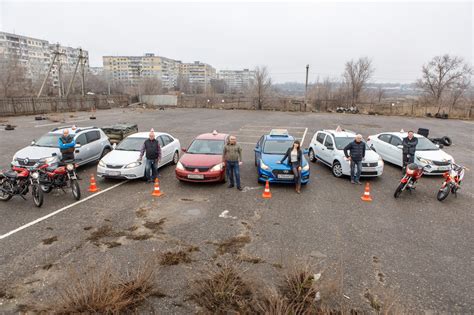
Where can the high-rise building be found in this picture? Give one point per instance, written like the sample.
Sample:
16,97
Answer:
237,80
198,74
36,55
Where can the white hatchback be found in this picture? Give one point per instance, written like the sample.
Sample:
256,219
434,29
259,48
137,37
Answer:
122,161
389,146
328,146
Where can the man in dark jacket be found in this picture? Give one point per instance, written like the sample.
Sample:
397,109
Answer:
233,160
355,152
409,148
152,151
66,144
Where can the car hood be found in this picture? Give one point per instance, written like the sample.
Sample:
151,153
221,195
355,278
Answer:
272,159
35,152
434,155
118,157
201,160
371,156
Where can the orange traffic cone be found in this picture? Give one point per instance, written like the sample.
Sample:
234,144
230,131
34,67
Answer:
366,195
93,187
156,189
266,193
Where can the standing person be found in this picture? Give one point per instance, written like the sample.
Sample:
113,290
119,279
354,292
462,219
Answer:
355,152
233,160
66,144
294,154
409,148
152,150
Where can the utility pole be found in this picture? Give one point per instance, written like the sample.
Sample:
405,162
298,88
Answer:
306,88
56,57
82,61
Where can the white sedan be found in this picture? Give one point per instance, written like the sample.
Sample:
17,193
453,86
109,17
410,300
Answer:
327,146
389,146
122,161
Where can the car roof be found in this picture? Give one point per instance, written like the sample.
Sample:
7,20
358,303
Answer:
342,134
145,134
400,134
270,137
59,130
212,136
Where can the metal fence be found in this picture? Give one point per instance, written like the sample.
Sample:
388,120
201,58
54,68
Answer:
43,105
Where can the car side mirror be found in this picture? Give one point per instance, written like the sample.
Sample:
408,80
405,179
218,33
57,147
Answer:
114,146
305,151
440,146
33,142
184,149
54,154
256,149
400,146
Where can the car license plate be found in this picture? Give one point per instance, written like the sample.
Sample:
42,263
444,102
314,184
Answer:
286,176
112,173
195,176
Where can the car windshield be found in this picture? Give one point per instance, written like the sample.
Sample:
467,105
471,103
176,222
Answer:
204,146
277,146
131,144
425,145
341,142
48,140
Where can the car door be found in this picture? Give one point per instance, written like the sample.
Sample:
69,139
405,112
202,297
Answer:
167,141
327,151
381,145
164,151
320,150
258,150
395,152
81,153
94,145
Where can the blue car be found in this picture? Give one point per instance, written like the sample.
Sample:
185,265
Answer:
269,151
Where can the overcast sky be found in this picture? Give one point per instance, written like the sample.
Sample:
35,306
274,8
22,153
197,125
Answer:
399,37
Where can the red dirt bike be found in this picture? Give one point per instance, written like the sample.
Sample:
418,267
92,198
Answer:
17,181
413,173
452,181
60,177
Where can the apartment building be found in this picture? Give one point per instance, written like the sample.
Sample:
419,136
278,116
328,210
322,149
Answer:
198,74
237,80
36,55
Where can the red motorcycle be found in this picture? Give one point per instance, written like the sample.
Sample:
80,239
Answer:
452,181
60,177
17,181
413,173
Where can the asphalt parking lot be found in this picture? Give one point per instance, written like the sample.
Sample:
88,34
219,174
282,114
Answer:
415,245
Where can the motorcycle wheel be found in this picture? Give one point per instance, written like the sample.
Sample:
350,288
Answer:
37,195
46,188
443,193
76,191
399,190
3,195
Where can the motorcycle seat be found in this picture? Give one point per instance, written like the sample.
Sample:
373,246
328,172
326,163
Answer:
11,174
413,167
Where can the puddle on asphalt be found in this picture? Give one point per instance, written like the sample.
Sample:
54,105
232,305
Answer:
193,212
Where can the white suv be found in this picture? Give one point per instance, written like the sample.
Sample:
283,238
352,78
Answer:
327,146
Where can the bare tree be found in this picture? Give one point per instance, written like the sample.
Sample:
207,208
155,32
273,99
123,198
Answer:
218,86
150,86
262,85
357,74
13,77
380,93
183,84
445,73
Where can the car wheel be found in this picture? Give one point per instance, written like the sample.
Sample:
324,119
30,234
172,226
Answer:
175,158
337,169
311,155
104,152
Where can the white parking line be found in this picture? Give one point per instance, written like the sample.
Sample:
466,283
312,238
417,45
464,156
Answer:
304,136
59,211
59,123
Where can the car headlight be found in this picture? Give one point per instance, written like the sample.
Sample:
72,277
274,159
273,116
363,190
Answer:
217,167
264,166
180,166
35,175
133,164
70,167
380,161
424,161
101,163
306,167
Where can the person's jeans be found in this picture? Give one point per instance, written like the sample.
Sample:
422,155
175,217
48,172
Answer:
408,159
232,168
296,172
151,166
355,176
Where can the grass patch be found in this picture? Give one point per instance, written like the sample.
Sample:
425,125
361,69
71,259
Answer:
104,291
112,244
250,259
141,212
155,226
175,257
49,241
224,291
139,237
233,245
102,232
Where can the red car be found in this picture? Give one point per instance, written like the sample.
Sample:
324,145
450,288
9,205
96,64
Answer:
203,160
